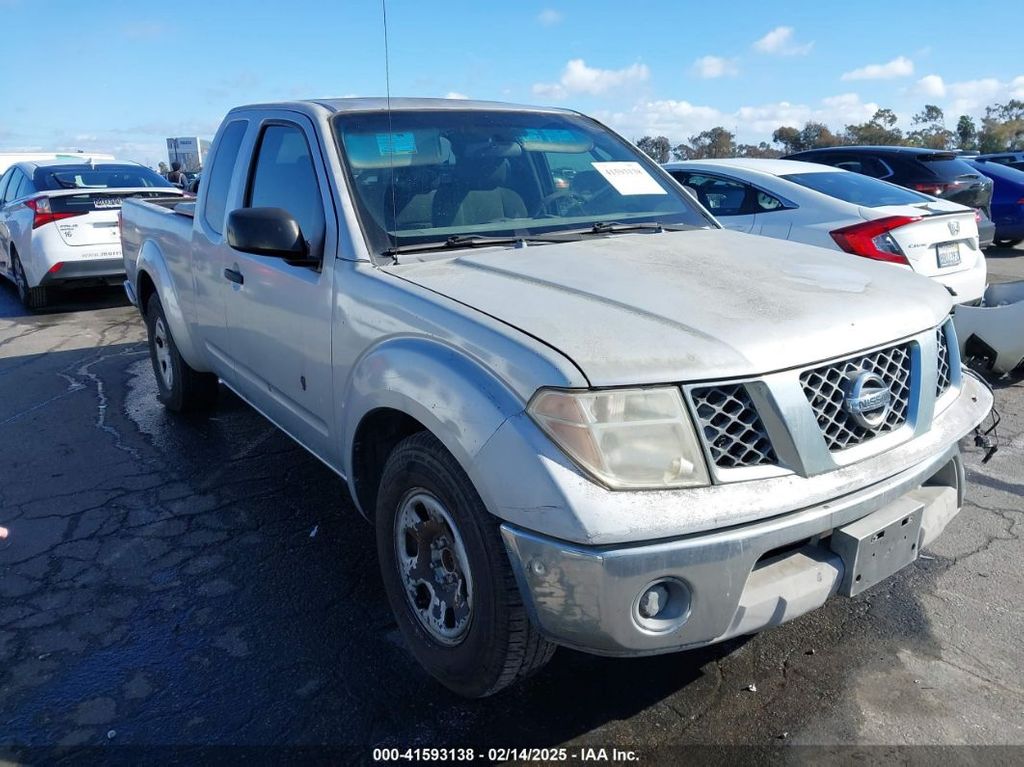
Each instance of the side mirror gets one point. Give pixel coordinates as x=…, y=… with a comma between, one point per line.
x=270, y=232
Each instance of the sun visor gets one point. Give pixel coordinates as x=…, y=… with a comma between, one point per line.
x=561, y=140
x=381, y=149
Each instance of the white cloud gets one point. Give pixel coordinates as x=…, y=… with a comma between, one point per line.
x=900, y=66
x=710, y=67
x=549, y=17
x=780, y=42
x=680, y=119
x=455, y=95
x=577, y=77
x=932, y=86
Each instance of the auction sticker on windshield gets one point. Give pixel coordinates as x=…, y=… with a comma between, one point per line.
x=628, y=178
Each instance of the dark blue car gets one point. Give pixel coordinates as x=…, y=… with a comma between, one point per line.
x=1007, y=201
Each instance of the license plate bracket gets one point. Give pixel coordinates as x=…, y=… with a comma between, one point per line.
x=948, y=254
x=878, y=545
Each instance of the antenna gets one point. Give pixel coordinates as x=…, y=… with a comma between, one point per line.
x=391, y=135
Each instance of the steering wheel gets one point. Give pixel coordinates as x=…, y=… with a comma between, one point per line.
x=544, y=206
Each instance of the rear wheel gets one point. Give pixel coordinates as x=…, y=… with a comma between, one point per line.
x=447, y=574
x=33, y=298
x=1008, y=243
x=179, y=387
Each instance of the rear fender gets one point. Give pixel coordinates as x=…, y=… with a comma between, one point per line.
x=151, y=262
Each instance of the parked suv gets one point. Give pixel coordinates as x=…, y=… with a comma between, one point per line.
x=1013, y=159
x=932, y=171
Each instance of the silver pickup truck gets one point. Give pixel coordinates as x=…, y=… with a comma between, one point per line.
x=577, y=411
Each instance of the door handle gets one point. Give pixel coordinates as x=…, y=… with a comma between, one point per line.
x=234, y=276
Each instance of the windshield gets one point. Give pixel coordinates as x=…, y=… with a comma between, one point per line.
x=858, y=189
x=426, y=176
x=99, y=177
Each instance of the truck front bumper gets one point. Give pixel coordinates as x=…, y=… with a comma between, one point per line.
x=740, y=579
x=724, y=584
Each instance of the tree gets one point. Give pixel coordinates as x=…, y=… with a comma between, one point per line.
x=812, y=136
x=712, y=143
x=657, y=147
x=880, y=130
x=763, y=150
x=932, y=132
x=1002, y=127
x=966, y=133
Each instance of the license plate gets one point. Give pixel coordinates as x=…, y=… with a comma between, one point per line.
x=880, y=544
x=949, y=254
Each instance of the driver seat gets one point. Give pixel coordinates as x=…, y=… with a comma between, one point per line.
x=477, y=194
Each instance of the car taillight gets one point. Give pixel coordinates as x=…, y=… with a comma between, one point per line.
x=44, y=213
x=936, y=188
x=873, y=239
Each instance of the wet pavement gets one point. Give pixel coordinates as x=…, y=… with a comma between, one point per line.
x=203, y=580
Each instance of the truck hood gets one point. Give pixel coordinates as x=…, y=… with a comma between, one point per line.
x=688, y=306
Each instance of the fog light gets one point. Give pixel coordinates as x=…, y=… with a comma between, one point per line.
x=653, y=601
x=663, y=605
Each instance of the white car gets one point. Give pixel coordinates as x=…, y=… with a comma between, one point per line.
x=59, y=222
x=837, y=209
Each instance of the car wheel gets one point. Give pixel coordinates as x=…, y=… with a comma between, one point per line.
x=179, y=387
x=33, y=298
x=447, y=574
x=1008, y=243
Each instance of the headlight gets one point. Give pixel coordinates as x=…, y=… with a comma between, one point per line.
x=625, y=438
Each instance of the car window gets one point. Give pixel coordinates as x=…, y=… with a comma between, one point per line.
x=13, y=185
x=3, y=182
x=98, y=177
x=284, y=177
x=722, y=197
x=857, y=188
x=25, y=188
x=219, y=176
x=765, y=202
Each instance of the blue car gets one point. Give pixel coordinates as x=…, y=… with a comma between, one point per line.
x=1007, y=200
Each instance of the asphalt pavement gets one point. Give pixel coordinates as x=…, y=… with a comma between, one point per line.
x=202, y=580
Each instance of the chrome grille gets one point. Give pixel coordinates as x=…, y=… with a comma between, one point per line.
x=824, y=390
x=945, y=375
x=732, y=427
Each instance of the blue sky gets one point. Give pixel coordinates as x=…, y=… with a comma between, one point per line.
x=121, y=76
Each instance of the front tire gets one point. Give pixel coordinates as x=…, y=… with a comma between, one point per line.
x=1008, y=243
x=179, y=387
x=33, y=298
x=447, y=574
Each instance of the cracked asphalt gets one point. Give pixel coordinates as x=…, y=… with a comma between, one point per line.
x=203, y=580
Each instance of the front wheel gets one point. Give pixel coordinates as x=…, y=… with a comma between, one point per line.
x=179, y=386
x=1008, y=243
x=447, y=574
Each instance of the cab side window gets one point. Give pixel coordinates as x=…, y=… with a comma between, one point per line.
x=219, y=178
x=284, y=176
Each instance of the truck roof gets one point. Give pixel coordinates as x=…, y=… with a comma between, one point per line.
x=380, y=104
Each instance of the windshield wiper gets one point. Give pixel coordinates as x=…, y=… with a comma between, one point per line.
x=617, y=227
x=474, y=241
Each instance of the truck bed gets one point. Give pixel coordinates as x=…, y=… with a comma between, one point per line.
x=166, y=222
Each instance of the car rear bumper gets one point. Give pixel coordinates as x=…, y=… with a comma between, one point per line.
x=100, y=270
x=967, y=286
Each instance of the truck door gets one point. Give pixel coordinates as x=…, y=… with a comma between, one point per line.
x=224, y=178
x=279, y=315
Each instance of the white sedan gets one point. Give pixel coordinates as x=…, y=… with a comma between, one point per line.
x=837, y=209
x=59, y=222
